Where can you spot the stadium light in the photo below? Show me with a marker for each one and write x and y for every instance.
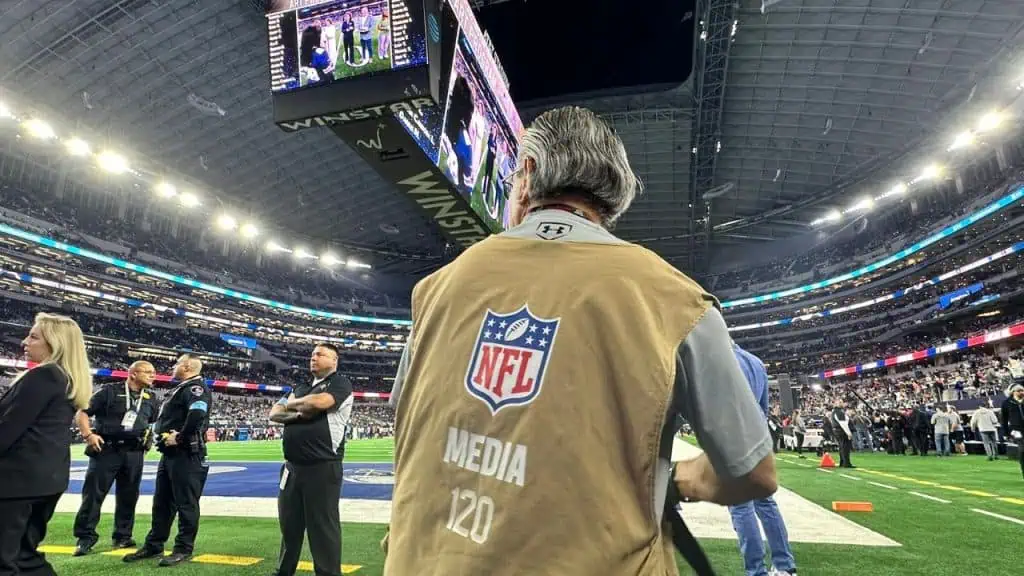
(962, 140)
(39, 129)
(356, 264)
(166, 190)
(5, 112)
(328, 259)
(931, 172)
(990, 121)
(249, 230)
(77, 147)
(226, 222)
(112, 162)
(275, 247)
(863, 204)
(303, 254)
(188, 200)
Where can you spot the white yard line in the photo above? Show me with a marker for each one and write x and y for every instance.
(929, 497)
(824, 470)
(1000, 516)
(850, 477)
(886, 486)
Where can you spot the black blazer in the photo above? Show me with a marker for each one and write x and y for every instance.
(35, 434)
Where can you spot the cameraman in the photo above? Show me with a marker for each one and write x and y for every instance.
(550, 367)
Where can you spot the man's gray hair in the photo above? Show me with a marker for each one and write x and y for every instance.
(576, 152)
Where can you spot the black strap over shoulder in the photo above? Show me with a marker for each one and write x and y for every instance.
(683, 539)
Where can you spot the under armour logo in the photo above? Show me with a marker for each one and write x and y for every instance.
(553, 230)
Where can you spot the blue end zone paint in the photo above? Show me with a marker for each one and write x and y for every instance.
(260, 480)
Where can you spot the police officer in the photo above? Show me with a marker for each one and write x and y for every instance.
(115, 448)
(315, 416)
(181, 438)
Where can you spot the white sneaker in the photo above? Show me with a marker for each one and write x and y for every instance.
(775, 572)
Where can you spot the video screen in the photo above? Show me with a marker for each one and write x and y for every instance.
(468, 140)
(318, 43)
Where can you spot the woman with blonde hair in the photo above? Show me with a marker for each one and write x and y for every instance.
(36, 413)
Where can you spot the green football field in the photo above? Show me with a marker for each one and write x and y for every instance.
(951, 516)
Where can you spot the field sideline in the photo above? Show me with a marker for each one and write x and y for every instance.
(946, 514)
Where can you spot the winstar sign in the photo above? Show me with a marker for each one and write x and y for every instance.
(370, 113)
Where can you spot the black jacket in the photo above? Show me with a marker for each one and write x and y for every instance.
(35, 435)
(1011, 416)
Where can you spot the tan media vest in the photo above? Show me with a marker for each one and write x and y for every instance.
(561, 483)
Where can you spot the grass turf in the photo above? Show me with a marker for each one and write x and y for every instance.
(937, 539)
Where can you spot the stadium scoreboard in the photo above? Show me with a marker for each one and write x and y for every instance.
(414, 87)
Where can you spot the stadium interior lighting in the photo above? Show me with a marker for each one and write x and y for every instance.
(166, 190)
(112, 162)
(329, 259)
(931, 172)
(275, 247)
(249, 230)
(77, 147)
(990, 121)
(356, 264)
(962, 140)
(39, 129)
(5, 112)
(863, 204)
(188, 200)
(303, 254)
(226, 222)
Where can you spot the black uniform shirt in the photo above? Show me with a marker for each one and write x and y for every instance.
(322, 437)
(186, 409)
(109, 405)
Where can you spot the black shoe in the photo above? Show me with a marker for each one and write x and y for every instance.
(142, 554)
(124, 543)
(83, 547)
(174, 559)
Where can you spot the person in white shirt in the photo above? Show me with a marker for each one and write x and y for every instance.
(984, 423)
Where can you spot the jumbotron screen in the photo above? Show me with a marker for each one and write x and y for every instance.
(316, 42)
(472, 137)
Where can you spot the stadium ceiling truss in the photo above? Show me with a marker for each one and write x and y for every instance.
(792, 104)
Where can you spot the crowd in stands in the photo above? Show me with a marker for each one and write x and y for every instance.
(909, 220)
(69, 220)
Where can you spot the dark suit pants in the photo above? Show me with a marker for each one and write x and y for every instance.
(22, 528)
(308, 503)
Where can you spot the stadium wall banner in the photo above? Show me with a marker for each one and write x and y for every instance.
(357, 115)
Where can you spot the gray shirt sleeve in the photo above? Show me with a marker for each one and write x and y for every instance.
(713, 395)
(403, 369)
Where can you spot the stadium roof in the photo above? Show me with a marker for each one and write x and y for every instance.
(786, 112)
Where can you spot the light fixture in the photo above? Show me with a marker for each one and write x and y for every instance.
(833, 216)
(863, 204)
(226, 222)
(249, 230)
(356, 264)
(77, 147)
(329, 259)
(188, 200)
(165, 190)
(931, 172)
(990, 121)
(275, 247)
(962, 140)
(5, 112)
(39, 129)
(900, 188)
(303, 254)
(112, 162)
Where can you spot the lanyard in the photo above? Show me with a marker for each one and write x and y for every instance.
(562, 207)
(128, 399)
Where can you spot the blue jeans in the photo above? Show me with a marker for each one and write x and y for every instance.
(942, 444)
(744, 521)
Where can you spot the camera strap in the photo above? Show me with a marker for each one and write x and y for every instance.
(683, 539)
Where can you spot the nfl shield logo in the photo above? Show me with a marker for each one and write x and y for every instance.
(511, 353)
